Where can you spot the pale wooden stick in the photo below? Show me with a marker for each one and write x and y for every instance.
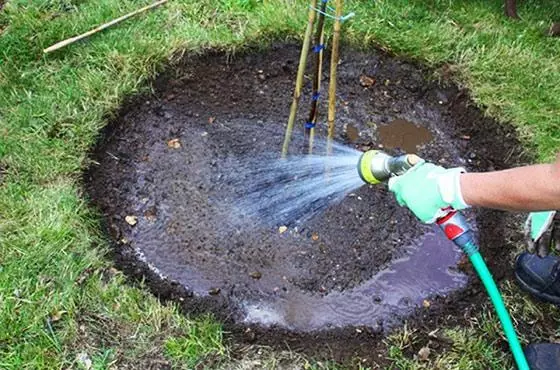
(332, 77)
(320, 72)
(299, 78)
(72, 40)
(316, 86)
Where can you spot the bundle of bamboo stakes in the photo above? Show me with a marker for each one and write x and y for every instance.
(318, 49)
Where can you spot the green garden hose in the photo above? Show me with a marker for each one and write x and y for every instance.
(456, 229)
(496, 298)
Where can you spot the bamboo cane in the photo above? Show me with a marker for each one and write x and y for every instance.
(312, 131)
(299, 78)
(332, 77)
(72, 40)
(318, 43)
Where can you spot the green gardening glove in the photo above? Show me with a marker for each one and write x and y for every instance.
(427, 190)
(542, 231)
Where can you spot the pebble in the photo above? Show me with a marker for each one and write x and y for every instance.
(214, 291)
(256, 275)
(131, 220)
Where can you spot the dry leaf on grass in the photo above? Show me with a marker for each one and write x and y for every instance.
(424, 353)
(84, 360)
(56, 315)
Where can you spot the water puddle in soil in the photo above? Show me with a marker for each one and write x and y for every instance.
(428, 269)
(404, 135)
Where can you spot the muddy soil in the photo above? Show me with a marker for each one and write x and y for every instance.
(348, 275)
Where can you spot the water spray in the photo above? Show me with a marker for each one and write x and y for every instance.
(376, 167)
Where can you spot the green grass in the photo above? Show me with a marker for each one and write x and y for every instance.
(59, 296)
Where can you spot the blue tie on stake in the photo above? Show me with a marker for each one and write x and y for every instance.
(318, 48)
(309, 125)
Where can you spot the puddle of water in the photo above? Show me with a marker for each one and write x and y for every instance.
(427, 271)
(404, 135)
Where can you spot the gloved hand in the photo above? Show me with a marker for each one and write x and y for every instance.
(542, 231)
(426, 189)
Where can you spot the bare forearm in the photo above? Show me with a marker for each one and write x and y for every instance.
(530, 188)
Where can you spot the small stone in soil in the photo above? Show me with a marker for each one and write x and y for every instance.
(255, 275)
(367, 81)
(214, 291)
(174, 143)
(282, 229)
(131, 220)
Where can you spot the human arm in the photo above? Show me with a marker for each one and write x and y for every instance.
(528, 188)
(426, 189)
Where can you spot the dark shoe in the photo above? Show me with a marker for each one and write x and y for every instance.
(543, 356)
(539, 276)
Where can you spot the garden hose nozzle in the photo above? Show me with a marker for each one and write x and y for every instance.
(376, 166)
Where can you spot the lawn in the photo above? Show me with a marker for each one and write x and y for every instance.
(64, 305)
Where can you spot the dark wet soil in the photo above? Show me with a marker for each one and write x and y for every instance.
(333, 286)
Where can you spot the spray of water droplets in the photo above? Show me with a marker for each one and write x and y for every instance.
(274, 191)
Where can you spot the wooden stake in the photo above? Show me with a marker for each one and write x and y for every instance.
(72, 40)
(299, 79)
(320, 73)
(332, 78)
(318, 42)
